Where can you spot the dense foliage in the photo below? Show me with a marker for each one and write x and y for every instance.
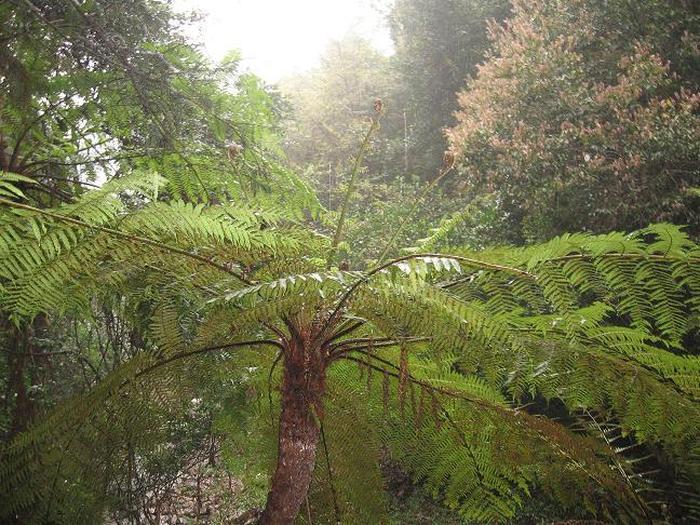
(585, 116)
(438, 46)
(172, 293)
(468, 349)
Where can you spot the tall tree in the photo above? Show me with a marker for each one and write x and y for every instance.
(438, 45)
(585, 116)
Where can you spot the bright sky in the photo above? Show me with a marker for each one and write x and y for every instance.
(281, 37)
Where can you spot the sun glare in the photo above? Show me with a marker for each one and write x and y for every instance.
(293, 35)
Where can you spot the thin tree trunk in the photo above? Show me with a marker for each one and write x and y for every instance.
(302, 391)
(17, 396)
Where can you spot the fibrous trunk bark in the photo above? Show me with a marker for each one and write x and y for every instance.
(302, 392)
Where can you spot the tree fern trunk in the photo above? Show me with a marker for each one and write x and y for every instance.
(302, 391)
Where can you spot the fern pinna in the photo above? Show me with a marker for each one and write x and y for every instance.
(561, 368)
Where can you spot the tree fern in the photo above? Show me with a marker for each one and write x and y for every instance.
(436, 354)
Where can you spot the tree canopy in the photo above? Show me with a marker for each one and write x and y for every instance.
(585, 116)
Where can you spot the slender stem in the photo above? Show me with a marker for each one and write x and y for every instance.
(424, 384)
(466, 445)
(351, 185)
(183, 355)
(308, 511)
(54, 162)
(631, 256)
(372, 340)
(584, 256)
(352, 345)
(339, 352)
(269, 385)
(357, 340)
(349, 328)
(39, 354)
(65, 179)
(279, 333)
(336, 508)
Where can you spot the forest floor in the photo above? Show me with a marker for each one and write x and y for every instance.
(206, 494)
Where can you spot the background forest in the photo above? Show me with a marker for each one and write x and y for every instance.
(563, 116)
(464, 276)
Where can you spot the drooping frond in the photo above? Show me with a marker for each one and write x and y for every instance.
(348, 483)
(54, 258)
(476, 452)
(593, 322)
(650, 277)
(64, 469)
(450, 347)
